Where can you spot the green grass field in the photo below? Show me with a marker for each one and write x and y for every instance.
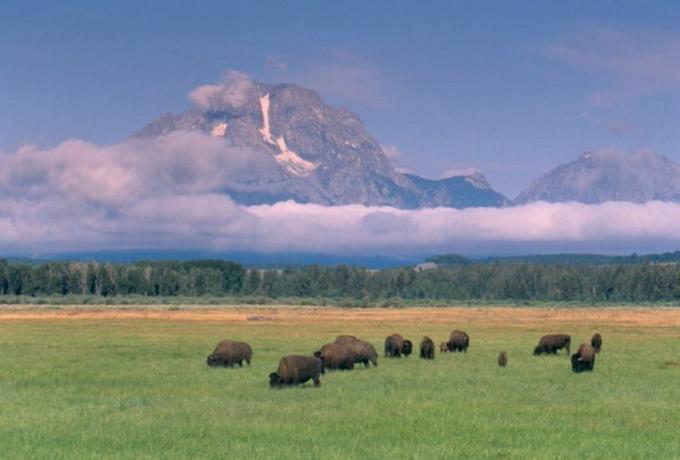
(125, 387)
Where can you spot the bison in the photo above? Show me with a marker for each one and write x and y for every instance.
(229, 352)
(296, 370)
(335, 356)
(503, 359)
(362, 352)
(396, 345)
(443, 347)
(345, 338)
(427, 348)
(596, 342)
(583, 359)
(549, 344)
(458, 341)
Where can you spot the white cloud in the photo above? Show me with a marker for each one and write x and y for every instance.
(165, 193)
(391, 152)
(231, 93)
(457, 172)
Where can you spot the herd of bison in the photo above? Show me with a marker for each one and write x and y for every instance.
(348, 350)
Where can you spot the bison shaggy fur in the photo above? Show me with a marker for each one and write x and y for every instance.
(549, 344)
(458, 341)
(583, 359)
(345, 338)
(362, 352)
(396, 345)
(335, 356)
(227, 353)
(427, 348)
(296, 370)
(596, 342)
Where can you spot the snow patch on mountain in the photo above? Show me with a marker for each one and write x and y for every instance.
(292, 160)
(265, 130)
(219, 130)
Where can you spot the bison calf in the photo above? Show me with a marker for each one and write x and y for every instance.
(458, 341)
(583, 359)
(396, 345)
(229, 352)
(427, 348)
(503, 359)
(596, 342)
(296, 370)
(549, 344)
(443, 347)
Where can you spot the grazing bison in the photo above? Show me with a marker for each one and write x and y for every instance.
(345, 338)
(335, 356)
(361, 351)
(549, 344)
(396, 345)
(583, 359)
(427, 348)
(503, 359)
(229, 352)
(458, 341)
(443, 347)
(295, 370)
(596, 342)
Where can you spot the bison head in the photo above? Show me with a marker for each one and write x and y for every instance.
(317, 354)
(212, 361)
(407, 348)
(275, 380)
(538, 350)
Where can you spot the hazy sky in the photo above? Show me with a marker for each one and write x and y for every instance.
(507, 88)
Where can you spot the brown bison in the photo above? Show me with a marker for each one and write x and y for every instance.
(335, 356)
(362, 352)
(396, 345)
(549, 344)
(503, 359)
(583, 359)
(229, 352)
(345, 338)
(443, 347)
(458, 341)
(596, 342)
(427, 348)
(296, 370)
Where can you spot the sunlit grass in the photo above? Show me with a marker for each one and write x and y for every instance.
(141, 389)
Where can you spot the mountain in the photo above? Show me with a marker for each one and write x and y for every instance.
(311, 153)
(601, 176)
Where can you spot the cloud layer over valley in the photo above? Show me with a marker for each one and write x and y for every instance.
(166, 193)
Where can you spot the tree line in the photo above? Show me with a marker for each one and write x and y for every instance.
(644, 282)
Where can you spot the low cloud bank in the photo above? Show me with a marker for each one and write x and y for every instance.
(166, 193)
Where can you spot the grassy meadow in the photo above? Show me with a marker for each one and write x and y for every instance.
(134, 384)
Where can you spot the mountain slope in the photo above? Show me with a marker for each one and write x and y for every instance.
(601, 176)
(310, 152)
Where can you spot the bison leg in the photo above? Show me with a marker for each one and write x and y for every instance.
(317, 381)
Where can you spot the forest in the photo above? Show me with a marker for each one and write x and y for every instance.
(488, 281)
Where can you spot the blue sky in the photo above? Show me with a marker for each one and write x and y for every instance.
(507, 88)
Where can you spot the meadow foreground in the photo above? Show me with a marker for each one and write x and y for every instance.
(135, 384)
